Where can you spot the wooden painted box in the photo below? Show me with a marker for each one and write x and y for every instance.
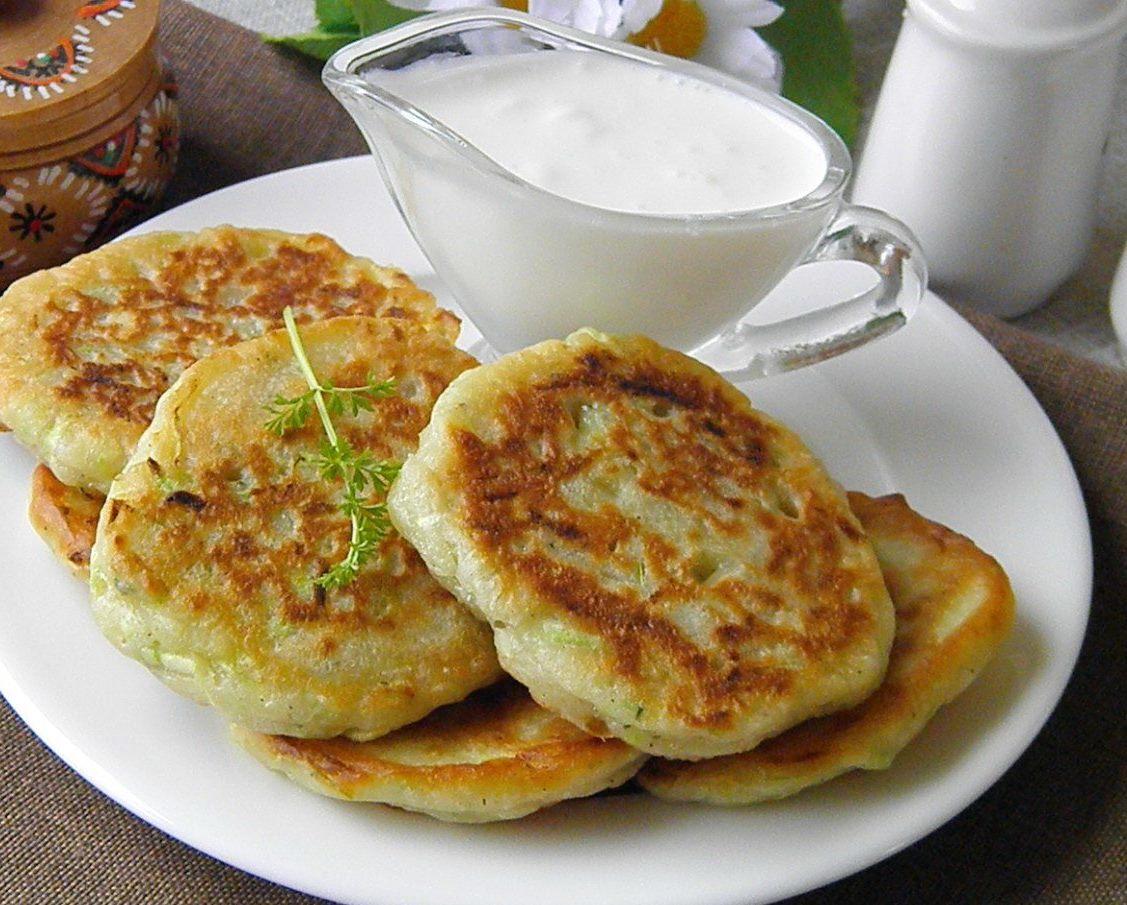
(89, 130)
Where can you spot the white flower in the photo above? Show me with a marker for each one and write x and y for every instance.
(596, 17)
(732, 45)
(636, 14)
(605, 18)
(730, 42)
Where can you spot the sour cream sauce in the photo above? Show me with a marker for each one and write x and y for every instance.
(618, 135)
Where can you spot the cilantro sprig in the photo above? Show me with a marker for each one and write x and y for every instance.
(361, 473)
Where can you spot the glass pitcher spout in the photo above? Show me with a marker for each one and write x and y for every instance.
(391, 124)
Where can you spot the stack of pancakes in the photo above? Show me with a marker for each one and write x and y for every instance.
(607, 564)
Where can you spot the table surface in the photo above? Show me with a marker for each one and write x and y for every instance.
(1076, 316)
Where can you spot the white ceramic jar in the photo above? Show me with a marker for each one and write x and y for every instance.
(987, 140)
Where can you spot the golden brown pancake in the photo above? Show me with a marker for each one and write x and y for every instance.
(65, 517)
(921, 562)
(659, 561)
(495, 756)
(86, 349)
(212, 539)
(954, 608)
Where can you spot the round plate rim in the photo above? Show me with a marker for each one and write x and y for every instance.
(106, 781)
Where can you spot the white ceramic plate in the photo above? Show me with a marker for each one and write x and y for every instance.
(933, 412)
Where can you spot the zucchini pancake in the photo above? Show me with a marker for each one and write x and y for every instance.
(65, 517)
(211, 542)
(658, 561)
(86, 349)
(954, 607)
(495, 756)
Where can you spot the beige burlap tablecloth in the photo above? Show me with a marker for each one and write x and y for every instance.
(1054, 829)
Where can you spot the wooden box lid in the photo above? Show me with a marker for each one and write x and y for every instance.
(67, 67)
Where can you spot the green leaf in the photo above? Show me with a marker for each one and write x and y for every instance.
(337, 459)
(335, 15)
(289, 414)
(818, 66)
(317, 43)
(376, 15)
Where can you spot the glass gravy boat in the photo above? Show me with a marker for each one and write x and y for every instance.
(526, 264)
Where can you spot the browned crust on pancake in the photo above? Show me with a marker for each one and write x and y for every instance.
(65, 517)
(922, 674)
(185, 303)
(254, 558)
(213, 537)
(494, 713)
(87, 349)
(514, 488)
(496, 755)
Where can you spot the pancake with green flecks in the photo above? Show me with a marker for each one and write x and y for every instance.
(495, 756)
(954, 607)
(659, 561)
(86, 349)
(214, 544)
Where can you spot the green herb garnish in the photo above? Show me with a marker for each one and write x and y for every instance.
(360, 472)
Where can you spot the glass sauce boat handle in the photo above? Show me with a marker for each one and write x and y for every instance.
(886, 245)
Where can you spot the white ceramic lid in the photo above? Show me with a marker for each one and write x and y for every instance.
(1026, 24)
